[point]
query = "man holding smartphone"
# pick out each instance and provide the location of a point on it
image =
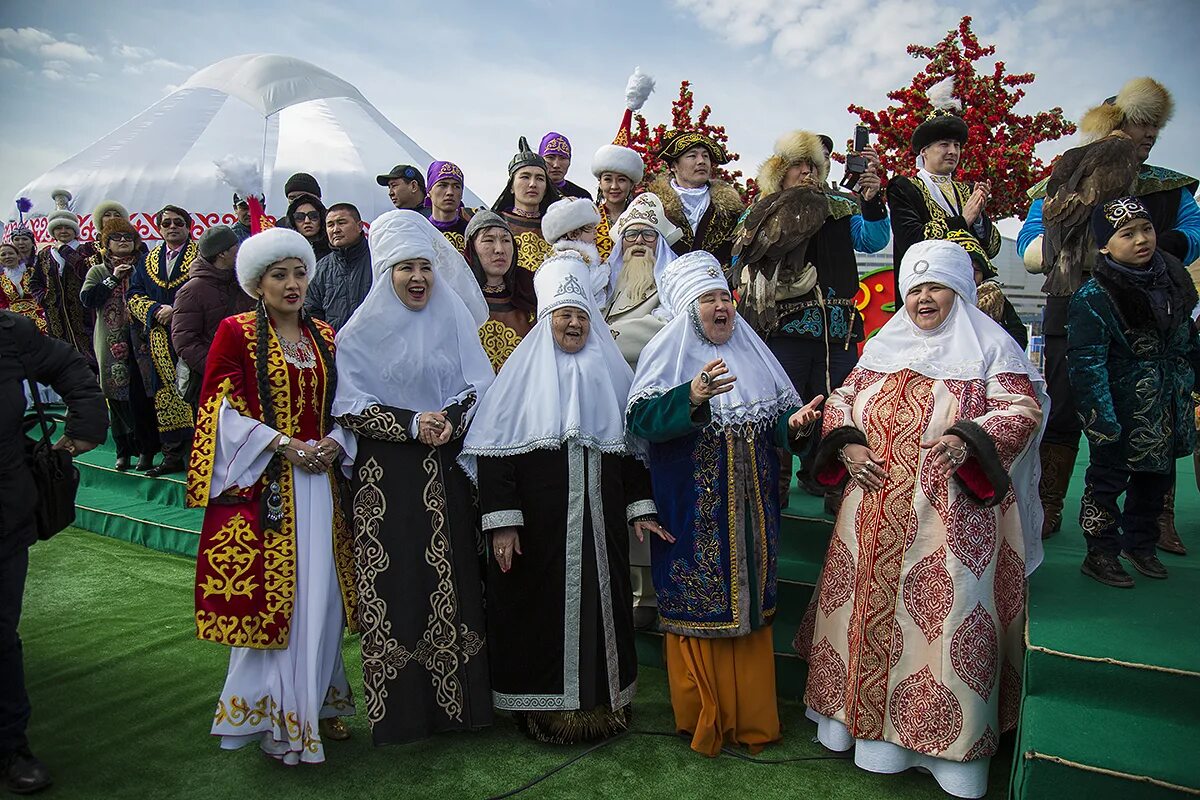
(818, 325)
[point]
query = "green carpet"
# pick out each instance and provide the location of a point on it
(1112, 676)
(123, 697)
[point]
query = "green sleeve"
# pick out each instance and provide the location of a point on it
(668, 416)
(798, 443)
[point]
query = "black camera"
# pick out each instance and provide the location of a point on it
(856, 164)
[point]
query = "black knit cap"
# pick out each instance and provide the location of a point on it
(302, 182)
(939, 125)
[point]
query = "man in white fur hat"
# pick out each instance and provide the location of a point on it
(1140, 110)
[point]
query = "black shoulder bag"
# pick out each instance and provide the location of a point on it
(54, 473)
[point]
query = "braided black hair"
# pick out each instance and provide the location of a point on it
(309, 323)
(262, 330)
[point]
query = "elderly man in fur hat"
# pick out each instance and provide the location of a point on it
(816, 326)
(706, 210)
(57, 281)
(931, 204)
(1140, 110)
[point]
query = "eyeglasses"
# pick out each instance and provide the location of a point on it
(173, 222)
(307, 216)
(120, 237)
(647, 235)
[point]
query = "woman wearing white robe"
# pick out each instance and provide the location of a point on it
(274, 571)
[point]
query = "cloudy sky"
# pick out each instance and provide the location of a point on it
(466, 79)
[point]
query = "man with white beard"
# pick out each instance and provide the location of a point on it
(642, 240)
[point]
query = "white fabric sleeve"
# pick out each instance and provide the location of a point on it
(414, 427)
(349, 443)
(243, 450)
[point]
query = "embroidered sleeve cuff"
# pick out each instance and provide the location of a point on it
(828, 468)
(641, 508)
(982, 475)
(503, 519)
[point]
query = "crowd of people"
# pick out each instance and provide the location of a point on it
(496, 442)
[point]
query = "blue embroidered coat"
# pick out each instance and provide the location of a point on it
(1132, 371)
(716, 490)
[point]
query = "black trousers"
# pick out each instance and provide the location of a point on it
(1063, 427)
(1109, 528)
(14, 702)
(804, 362)
(141, 410)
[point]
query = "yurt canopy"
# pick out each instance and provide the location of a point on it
(284, 113)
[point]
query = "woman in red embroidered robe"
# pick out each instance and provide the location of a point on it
(16, 287)
(915, 654)
(275, 570)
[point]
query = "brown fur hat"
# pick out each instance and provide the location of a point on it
(117, 225)
(790, 149)
(1141, 101)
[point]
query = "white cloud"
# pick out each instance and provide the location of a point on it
(40, 44)
(8, 63)
(54, 75)
(130, 51)
(27, 39)
(156, 65)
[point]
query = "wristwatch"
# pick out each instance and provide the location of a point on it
(283, 443)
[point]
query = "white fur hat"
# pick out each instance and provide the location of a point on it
(566, 215)
(62, 217)
(621, 160)
(260, 251)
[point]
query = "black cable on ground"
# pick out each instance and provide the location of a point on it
(728, 751)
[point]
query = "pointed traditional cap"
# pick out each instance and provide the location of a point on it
(619, 157)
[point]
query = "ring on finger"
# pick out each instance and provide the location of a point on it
(705, 378)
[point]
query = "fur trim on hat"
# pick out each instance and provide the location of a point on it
(566, 215)
(257, 253)
(62, 217)
(105, 206)
(1141, 101)
(116, 225)
(791, 149)
(621, 160)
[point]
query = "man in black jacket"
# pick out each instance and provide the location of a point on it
(342, 279)
(54, 363)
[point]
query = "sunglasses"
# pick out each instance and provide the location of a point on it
(120, 237)
(307, 216)
(173, 222)
(647, 235)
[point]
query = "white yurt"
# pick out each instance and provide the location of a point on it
(283, 113)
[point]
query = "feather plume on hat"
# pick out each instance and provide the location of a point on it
(245, 178)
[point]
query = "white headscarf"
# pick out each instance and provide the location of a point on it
(968, 345)
(680, 350)
(389, 354)
(543, 396)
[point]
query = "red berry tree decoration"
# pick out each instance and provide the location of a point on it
(1001, 143)
(647, 141)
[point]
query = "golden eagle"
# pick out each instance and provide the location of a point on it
(1084, 177)
(771, 245)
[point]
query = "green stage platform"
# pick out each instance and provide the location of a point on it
(1112, 677)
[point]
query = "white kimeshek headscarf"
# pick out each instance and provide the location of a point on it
(543, 396)
(389, 354)
(968, 345)
(680, 350)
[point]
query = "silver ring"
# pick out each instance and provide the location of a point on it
(302, 453)
(705, 378)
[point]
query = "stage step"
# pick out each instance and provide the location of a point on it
(131, 507)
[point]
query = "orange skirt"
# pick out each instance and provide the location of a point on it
(723, 690)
